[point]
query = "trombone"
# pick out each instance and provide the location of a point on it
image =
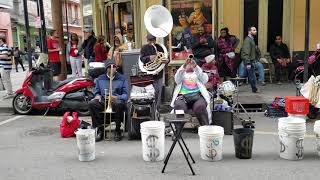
(108, 109)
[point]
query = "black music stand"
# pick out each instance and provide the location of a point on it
(178, 123)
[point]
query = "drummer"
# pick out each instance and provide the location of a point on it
(212, 71)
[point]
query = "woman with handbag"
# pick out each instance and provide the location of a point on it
(191, 93)
(226, 50)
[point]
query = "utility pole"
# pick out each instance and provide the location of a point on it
(306, 42)
(56, 7)
(26, 20)
(67, 21)
(43, 34)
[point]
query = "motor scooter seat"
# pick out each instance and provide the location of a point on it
(57, 84)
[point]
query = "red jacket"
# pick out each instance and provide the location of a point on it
(100, 53)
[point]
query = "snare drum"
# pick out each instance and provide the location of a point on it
(228, 88)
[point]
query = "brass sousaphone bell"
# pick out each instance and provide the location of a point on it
(159, 23)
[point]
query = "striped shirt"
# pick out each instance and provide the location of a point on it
(5, 57)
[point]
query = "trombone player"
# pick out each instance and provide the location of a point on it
(147, 54)
(120, 94)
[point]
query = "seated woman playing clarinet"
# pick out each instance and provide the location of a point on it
(191, 93)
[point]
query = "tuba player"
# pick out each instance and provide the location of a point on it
(148, 53)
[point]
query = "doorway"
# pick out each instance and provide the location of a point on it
(275, 17)
(251, 17)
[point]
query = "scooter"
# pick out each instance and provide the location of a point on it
(38, 92)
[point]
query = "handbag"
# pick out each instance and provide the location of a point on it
(231, 55)
(191, 98)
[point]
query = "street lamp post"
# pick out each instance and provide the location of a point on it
(306, 42)
(26, 20)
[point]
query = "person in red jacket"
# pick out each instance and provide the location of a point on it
(54, 54)
(100, 51)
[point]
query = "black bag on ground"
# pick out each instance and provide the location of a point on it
(275, 111)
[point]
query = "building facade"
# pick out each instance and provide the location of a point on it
(72, 9)
(5, 22)
(271, 17)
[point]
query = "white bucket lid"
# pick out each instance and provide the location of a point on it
(85, 131)
(292, 120)
(317, 127)
(210, 130)
(152, 125)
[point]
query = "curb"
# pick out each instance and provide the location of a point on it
(6, 110)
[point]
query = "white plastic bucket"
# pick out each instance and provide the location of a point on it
(298, 116)
(291, 136)
(152, 136)
(86, 144)
(317, 132)
(211, 141)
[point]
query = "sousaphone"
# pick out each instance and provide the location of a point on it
(159, 23)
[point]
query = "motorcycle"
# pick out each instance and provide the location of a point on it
(37, 92)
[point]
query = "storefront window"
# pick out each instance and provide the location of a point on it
(120, 20)
(188, 16)
(87, 14)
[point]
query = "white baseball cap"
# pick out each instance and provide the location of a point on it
(318, 46)
(210, 58)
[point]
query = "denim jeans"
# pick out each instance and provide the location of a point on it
(258, 67)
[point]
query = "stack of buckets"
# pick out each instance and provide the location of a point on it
(86, 144)
(292, 129)
(153, 138)
(211, 140)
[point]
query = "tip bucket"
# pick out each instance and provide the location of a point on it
(86, 144)
(243, 141)
(152, 137)
(317, 132)
(291, 137)
(211, 141)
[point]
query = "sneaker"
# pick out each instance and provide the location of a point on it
(7, 96)
(117, 136)
(256, 91)
(263, 83)
(279, 83)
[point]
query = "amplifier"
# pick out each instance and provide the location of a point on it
(223, 119)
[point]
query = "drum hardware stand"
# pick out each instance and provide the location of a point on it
(246, 123)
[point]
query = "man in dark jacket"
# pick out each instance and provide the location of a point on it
(120, 95)
(249, 56)
(280, 56)
(88, 46)
(147, 54)
(202, 46)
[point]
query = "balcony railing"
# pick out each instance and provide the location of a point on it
(72, 21)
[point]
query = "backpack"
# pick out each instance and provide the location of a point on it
(67, 129)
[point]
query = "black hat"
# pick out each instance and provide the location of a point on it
(109, 63)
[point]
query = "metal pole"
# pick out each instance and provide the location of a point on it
(43, 28)
(67, 22)
(38, 14)
(306, 45)
(216, 25)
(26, 20)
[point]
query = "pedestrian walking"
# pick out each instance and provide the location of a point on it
(17, 58)
(249, 57)
(6, 67)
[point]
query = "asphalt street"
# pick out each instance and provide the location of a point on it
(31, 148)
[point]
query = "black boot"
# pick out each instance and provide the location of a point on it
(99, 134)
(117, 135)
